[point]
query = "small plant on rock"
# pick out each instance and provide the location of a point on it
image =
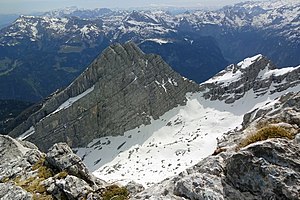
(264, 134)
(115, 192)
(33, 184)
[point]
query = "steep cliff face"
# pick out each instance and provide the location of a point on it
(122, 89)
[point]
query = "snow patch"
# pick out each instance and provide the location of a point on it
(159, 41)
(72, 100)
(27, 133)
(249, 61)
(226, 76)
(148, 154)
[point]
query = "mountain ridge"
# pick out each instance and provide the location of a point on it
(109, 78)
(130, 111)
(64, 45)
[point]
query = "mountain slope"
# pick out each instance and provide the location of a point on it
(129, 111)
(184, 135)
(122, 89)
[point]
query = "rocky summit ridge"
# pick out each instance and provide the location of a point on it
(122, 89)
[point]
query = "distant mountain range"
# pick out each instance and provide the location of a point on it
(39, 54)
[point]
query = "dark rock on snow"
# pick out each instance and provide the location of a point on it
(264, 170)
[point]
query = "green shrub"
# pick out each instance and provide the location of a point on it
(115, 192)
(266, 133)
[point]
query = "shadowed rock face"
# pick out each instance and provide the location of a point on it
(122, 89)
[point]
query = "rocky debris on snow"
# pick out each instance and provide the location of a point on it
(27, 173)
(265, 170)
(284, 113)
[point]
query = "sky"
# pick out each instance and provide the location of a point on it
(30, 6)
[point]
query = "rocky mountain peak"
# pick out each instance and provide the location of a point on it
(256, 73)
(122, 89)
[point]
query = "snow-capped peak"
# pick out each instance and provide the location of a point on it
(249, 61)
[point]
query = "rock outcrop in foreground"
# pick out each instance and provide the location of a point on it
(264, 170)
(26, 173)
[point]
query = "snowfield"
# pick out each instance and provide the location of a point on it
(148, 154)
(177, 140)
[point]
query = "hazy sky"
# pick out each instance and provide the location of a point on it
(27, 6)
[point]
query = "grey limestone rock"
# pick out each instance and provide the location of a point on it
(61, 157)
(200, 186)
(74, 188)
(127, 87)
(9, 191)
(297, 138)
(134, 188)
(265, 170)
(15, 157)
(59, 174)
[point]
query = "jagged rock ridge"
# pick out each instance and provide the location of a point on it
(257, 74)
(122, 89)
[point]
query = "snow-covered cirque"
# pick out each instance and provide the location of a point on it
(177, 140)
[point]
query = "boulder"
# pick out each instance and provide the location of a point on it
(61, 157)
(74, 188)
(134, 188)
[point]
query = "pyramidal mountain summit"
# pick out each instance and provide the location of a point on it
(133, 121)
